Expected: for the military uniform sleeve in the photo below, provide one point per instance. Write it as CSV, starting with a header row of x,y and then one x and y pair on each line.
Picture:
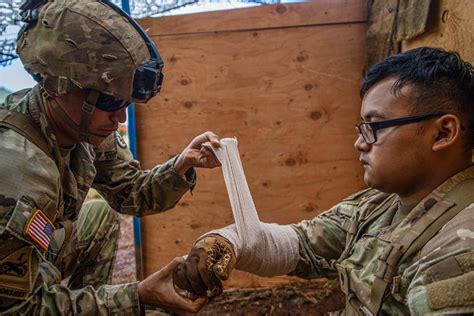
x,y
442,280
130,190
60,300
323,238
29,284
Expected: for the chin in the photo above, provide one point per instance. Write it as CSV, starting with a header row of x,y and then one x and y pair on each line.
x,y
368,179
372,182
378,185
103,134
369,183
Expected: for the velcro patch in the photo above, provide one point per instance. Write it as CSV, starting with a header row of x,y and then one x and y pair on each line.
x,y
16,273
40,229
443,270
453,292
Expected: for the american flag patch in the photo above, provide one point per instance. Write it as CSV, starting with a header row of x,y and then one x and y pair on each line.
x,y
40,229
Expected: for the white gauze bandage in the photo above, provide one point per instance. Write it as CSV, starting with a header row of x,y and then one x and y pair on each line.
x,y
261,248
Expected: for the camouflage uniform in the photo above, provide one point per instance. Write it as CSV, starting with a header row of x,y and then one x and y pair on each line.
x,y
437,279
84,237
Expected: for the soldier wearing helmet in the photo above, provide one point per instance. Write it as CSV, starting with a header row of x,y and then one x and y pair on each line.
x,y
59,139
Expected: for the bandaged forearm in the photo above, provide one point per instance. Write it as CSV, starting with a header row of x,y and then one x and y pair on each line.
x,y
274,251
263,249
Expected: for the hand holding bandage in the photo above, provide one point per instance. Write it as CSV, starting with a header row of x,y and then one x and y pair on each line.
x,y
253,246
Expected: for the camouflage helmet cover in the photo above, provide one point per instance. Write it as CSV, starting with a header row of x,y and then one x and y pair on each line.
x,y
83,44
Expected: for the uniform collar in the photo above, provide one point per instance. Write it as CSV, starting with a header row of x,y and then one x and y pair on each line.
x,y
450,183
431,199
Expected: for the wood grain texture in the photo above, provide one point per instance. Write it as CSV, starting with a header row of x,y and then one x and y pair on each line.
x,y
265,16
450,26
290,96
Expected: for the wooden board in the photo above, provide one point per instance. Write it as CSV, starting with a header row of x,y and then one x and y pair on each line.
x,y
267,16
450,26
290,96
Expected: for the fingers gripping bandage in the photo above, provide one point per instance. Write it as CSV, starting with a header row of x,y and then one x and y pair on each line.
x,y
263,249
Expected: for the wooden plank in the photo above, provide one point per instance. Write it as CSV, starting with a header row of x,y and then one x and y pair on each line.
x,y
290,95
266,16
450,26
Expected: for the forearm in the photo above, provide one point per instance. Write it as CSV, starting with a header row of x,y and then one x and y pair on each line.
x,y
143,192
306,249
273,252
58,300
311,264
321,242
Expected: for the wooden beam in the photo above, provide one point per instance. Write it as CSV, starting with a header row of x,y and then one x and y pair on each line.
x,y
266,16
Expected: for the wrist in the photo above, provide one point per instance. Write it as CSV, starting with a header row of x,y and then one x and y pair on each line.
x,y
142,294
147,295
183,163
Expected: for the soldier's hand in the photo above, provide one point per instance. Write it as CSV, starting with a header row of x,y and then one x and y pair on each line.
x,y
211,260
158,290
196,155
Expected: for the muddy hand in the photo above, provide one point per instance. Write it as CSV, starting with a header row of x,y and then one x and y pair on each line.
x,y
210,262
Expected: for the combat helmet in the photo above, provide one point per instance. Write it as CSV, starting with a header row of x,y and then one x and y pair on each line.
x,y
68,45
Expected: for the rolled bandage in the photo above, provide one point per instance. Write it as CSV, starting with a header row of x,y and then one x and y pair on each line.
x,y
261,248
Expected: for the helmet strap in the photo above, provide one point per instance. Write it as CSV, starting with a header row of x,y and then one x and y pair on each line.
x,y
87,110
58,109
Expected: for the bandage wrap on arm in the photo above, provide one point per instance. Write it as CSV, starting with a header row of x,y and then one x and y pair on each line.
x,y
261,248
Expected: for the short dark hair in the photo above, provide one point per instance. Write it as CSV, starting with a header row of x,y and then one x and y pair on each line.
x,y
442,82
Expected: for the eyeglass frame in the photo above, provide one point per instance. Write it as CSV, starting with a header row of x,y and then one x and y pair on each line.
x,y
376,126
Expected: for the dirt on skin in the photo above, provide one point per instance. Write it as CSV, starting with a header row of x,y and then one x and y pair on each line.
x,y
316,297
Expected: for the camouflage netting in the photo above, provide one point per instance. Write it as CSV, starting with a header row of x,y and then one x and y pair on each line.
x,y
9,13
7,51
9,16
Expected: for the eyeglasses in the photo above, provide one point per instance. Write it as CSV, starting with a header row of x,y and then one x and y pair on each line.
x,y
109,103
368,130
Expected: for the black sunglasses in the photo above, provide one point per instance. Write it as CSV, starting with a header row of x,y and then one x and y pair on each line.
x,y
368,130
109,103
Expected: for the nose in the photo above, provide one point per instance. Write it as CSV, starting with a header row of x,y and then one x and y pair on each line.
x,y
119,116
361,145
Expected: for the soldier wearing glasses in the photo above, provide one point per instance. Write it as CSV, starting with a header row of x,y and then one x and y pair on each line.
x,y
405,245
59,139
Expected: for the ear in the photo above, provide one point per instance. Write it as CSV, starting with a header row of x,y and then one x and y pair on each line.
x,y
447,132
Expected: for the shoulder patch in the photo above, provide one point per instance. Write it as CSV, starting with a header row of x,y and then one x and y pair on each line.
x,y
120,141
40,229
107,150
16,273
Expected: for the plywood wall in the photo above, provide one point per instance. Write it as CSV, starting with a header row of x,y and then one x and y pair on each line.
x,y
284,80
450,26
